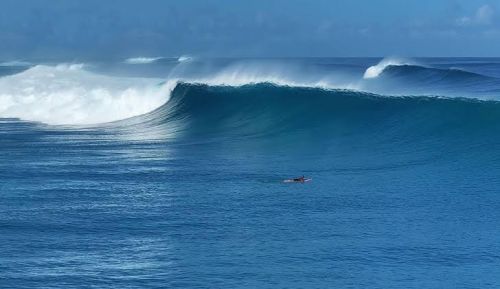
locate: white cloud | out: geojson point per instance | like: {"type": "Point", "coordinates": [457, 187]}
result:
{"type": "Point", "coordinates": [483, 16]}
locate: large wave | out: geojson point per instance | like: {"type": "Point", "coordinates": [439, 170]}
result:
{"type": "Point", "coordinates": [68, 94]}
{"type": "Point", "coordinates": [282, 74]}
{"type": "Point", "coordinates": [265, 117]}
{"type": "Point", "coordinates": [296, 116]}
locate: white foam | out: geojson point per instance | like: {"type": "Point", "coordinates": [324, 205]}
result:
{"type": "Point", "coordinates": [375, 70]}
{"type": "Point", "coordinates": [185, 58]}
{"type": "Point", "coordinates": [142, 60]}
{"type": "Point", "coordinates": [67, 94]}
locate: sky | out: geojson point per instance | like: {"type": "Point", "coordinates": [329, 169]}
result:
{"type": "Point", "coordinates": [244, 28]}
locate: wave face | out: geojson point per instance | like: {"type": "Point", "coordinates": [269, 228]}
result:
{"type": "Point", "coordinates": [321, 130]}
{"type": "Point", "coordinates": [67, 94]}
{"type": "Point", "coordinates": [263, 111]}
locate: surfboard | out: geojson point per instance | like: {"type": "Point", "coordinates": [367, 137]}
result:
{"type": "Point", "coordinates": [294, 181]}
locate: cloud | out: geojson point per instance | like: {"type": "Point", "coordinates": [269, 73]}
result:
{"type": "Point", "coordinates": [483, 16]}
{"type": "Point", "coordinates": [464, 21]}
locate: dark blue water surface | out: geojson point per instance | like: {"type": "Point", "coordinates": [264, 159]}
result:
{"type": "Point", "coordinates": [404, 190]}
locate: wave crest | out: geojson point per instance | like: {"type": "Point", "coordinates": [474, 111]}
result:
{"type": "Point", "coordinates": [375, 70]}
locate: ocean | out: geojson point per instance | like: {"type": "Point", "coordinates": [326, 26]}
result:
{"type": "Point", "coordinates": [168, 173]}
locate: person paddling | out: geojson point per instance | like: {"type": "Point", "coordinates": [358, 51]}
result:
{"type": "Point", "coordinates": [300, 180]}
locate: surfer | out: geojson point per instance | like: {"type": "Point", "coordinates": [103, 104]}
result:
{"type": "Point", "coordinates": [302, 179]}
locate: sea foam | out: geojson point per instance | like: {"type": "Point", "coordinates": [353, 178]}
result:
{"type": "Point", "coordinates": [68, 94]}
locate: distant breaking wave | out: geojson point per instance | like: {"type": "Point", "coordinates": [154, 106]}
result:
{"type": "Point", "coordinates": [185, 58]}
{"type": "Point", "coordinates": [15, 63]}
{"type": "Point", "coordinates": [375, 70]}
{"type": "Point", "coordinates": [142, 60]}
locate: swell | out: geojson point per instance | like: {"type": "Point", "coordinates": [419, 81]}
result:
{"type": "Point", "coordinates": [410, 78]}
{"type": "Point", "coordinates": [429, 73]}
{"type": "Point", "coordinates": [267, 111]}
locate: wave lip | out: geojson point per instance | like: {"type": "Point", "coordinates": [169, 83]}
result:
{"type": "Point", "coordinates": [375, 70]}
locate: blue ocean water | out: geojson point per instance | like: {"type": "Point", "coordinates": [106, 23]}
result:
{"type": "Point", "coordinates": [168, 173]}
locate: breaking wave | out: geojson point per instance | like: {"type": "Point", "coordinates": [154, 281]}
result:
{"type": "Point", "coordinates": [375, 70]}
{"type": "Point", "coordinates": [142, 60]}
{"type": "Point", "coordinates": [72, 95]}
{"type": "Point", "coordinates": [207, 113]}
{"type": "Point", "coordinates": [68, 94]}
